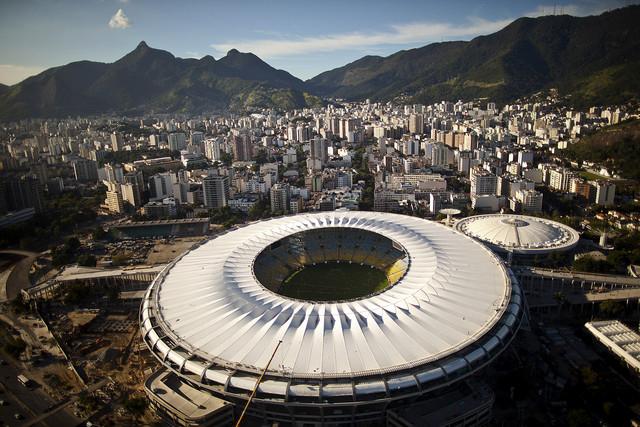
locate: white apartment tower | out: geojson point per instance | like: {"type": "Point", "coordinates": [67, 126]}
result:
{"type": "Point", "coordinates": [483, 182]}
{"type": "Point", "coordinates": [215, 191]}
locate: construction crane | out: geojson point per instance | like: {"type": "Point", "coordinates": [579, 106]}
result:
{"type": "Point", "coordinates": [255, 388]}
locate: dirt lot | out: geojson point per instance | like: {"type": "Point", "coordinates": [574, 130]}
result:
{"type": "Point", "coordinates": [163, 253]}
{"type": "Point", "coordinates": [106, 345]}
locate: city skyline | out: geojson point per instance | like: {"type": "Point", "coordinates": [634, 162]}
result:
{"type": "Point", "coordinates": [54, 34]}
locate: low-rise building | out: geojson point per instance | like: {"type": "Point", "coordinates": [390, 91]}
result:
{"type": "Point", "coordinates": [179, 404]}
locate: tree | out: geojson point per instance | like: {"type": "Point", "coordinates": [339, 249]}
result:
{"type": "Point", "coordinates": [19, 306]}
{"type": "Point", "coordinates": [224, 216]}
{"type": "Point", "coordinates": [87, 260]}
{"type": "Point", "coordinates": [611, 309]}
{"type": "Point", "coordinates": [559, 297]}
{"type": "Point", "coordinates": [28, 242]}
{"type": "Point", "coordinates": [135, 405]}
{"type": "Point", "coordinates": [120, 259]}
{"type": "Point", "coordinates": [261, 157]}
{"type": "Point", "coordinates": [98, 233]}
{"type": "Point", "coordinates": [226, 159]}
{"type": "Point", "coordinates": [88, 402]}
{"type": "Point", "coordinates": [72, 244]}
{"type": "Point", "coordinates": [260, 210]}
{"type": "Point", "coordinates": [60, 257]}
{"type": "Point", "coordinates": [578, 418]}
{"type": "Point", "coordinates": [76, 293]}
{"type": "Point", "coordinates": [592, 265]}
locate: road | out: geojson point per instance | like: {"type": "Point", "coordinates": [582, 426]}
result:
{"type": "Point", "coordinates": [28, 402]}
{"type": "Point", "coordinates": [50, 417]}
{"type": "Point", "coordinates": [19, 277]}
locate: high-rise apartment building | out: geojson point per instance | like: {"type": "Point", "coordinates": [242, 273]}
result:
{"type": "Point", "coordinates": [560, 179]}
{"type": "Point", "coordinates": [85, 170]}
{"type": "Point", "coordinates": [161, 185]}
{"type": "Point", "coordinates": [530, 200]}
{"type": "Point", "coordinates": [215, 189]}
{"type": "Point", "coordinates": [483, 182]}
{"type": "Point", "coordinates": [113, 173]}
{"type": "Point", "coordinates": [212, 149]}
{"type": "Point", "coordinates": [318, 149]}
{"type": "Point", "coordinates": [133, 189]}
{"type": "Point", "coordinates": [242, 149]}
{"type": "Point", "coordinates": [416, 124]}
{"type": "Point", "coordinates": [280, 198]}
{"type": "Point", "coordinates": [605, 192]}
{"type": "Point", "coordinates": [114, 201]}
{"type": "Point", "coordinates": [439, 155]}
{"type": "Point", "coordinates": [116, 141]}
{"type": "Point", "coordinates": [21, 193]}
{"type": "Point", "coordinates": [580, 187]}
{"type": "Point", "coordinates": [177, 141]}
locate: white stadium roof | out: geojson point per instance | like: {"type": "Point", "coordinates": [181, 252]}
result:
{"type": "Point", "coordinates": [456, 307]}
{"type": "Point", "coordinates": [521, 234]}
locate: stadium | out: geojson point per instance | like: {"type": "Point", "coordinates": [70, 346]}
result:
{"type": "Point", "coordinates": [521, 235]}
{"type": "Point", "coordinates": [346, 314]}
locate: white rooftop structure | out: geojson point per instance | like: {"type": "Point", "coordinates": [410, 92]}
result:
{"type": "Point", "coordinates": [520, 234]}
{"type": "Point", "coordinates": [619, 339]}
{"type": "Point", "coordinates": [191, 406]}
{"type": "Point", "coordinates": [455, 308]}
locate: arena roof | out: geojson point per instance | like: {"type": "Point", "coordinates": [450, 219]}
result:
{"type": "Point", "coordinates": [526, 235]}
{"type": "Point", "coordinates": [455, 308]}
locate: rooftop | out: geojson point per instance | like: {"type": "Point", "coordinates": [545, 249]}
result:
{"type": "Point", "coordinates": [192, 403]}
{"type": "Point", "coordinates": [75, 272]}
{"type": "Point", "coordinates": [620, 340]}
{"type": "Point", "coordinates": [159, 222]}
{"type": "Point", "coordinates": [519, 233]}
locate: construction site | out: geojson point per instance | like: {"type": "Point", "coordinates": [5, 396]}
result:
{"type": "Point", "coordinates": [70, 348]}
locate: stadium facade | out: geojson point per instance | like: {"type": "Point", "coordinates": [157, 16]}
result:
{"type": "Point", "coordinates": [215, 316]}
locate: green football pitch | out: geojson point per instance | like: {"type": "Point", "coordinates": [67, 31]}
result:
{"type": "Point", "coordinates": [333, 281]}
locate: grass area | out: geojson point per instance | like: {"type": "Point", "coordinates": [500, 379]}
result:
{"type": "Point", "coordinates": [590, 176]}
{"type": "Point", "coordinates": [333, 281]}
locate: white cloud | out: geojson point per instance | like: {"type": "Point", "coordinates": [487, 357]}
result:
{"type": "Point", "coordinates": [11, 74]}
{"type": "Point", "coordinates": [119, 21]}
{"type": "Point", "coordinates": [416, 33]}
{"type": "Point", "coordinates": [410, 33]}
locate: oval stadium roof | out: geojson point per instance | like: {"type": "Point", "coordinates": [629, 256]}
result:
{"type": "Point", "coordinates": [207, 314]}
{"type": "Point", "coordinates": [521, 234]}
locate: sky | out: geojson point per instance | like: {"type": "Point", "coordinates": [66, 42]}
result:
{"type": "Point", "coordinates": [302, 37]}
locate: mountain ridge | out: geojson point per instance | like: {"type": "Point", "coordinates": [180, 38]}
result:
{"type": "Point", "coordinates": [152, 80]}
{"type": "Point", "coordinates": [596, 59]}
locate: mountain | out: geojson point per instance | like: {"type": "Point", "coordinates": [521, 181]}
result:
{"type": "Point", "coordinates": [617, 147]}
{"type": "Point", "coordinates": [153, 80]}
{"type": "Point", "coordinates": [595, 58]}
